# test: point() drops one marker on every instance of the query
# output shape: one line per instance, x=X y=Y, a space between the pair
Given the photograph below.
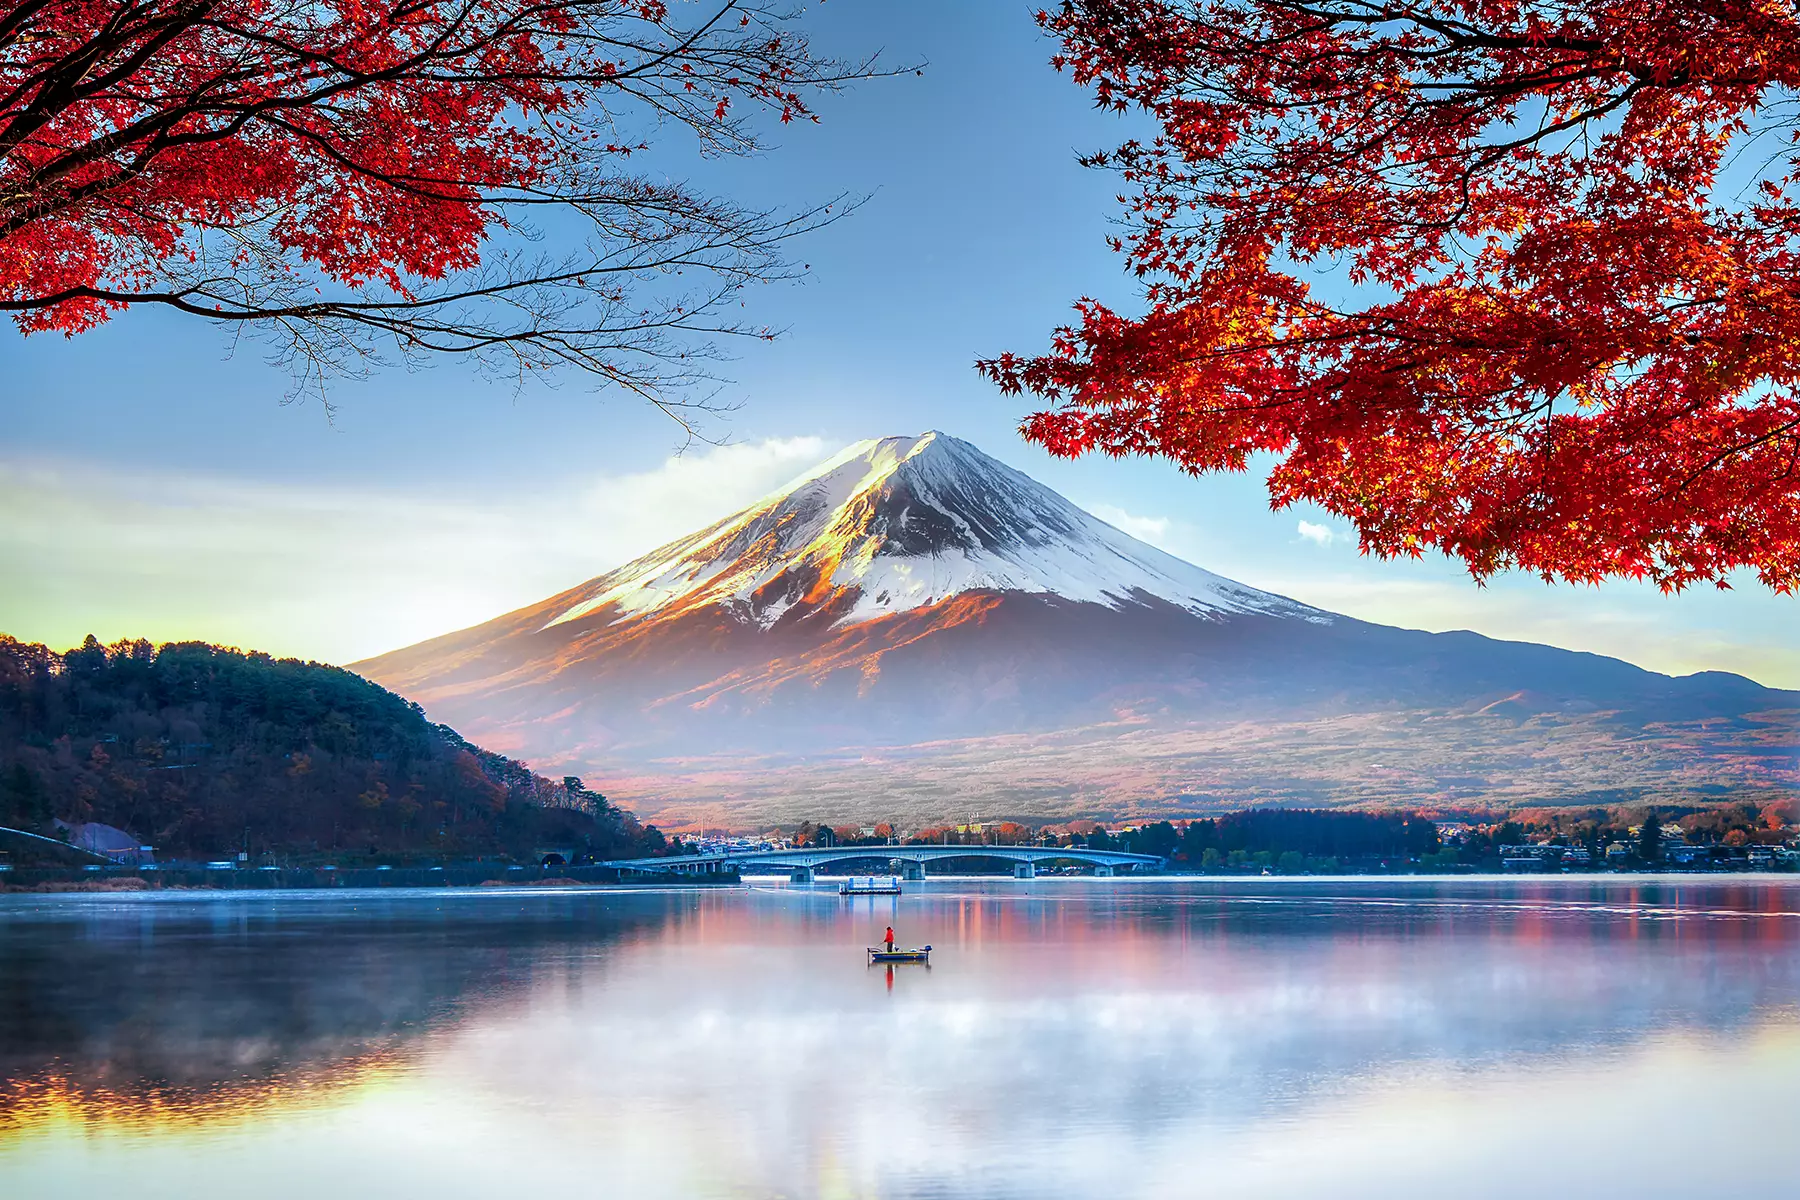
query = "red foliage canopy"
x=1554 y=316
x=360 y=174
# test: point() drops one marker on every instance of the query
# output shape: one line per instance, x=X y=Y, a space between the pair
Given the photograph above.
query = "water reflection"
x=1070 y=1038
x=176 y=1005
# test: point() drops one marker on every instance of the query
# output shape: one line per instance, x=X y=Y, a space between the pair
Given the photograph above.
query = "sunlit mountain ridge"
x=899 y=523
x=911 y=625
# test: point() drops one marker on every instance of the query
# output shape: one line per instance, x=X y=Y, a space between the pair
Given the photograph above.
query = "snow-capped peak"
x=898 y=523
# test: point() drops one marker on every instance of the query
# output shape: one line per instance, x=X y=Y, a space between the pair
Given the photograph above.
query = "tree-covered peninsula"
x=203 y=751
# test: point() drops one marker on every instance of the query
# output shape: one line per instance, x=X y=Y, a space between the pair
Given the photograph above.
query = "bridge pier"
x=912 y=870
x=1103 y=870
x=801 y=875
x=1025 y=870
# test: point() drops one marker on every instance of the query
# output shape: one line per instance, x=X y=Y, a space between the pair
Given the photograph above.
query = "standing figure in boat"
x=888 y=937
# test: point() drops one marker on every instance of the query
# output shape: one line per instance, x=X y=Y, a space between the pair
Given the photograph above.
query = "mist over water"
x=1071 y=1038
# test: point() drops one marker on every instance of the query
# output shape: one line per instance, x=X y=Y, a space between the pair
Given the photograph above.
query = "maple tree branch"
x=334 y=175
x=1555 y=347
x=1788 y=431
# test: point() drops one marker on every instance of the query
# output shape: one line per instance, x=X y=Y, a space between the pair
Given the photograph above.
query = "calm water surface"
x=1071 y=1038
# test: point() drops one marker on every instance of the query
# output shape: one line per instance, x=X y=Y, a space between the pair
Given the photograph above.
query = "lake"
x=1169 y=1037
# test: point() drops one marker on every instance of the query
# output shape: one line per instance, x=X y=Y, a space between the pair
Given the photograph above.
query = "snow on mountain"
x=914 y=629
x=899 y=523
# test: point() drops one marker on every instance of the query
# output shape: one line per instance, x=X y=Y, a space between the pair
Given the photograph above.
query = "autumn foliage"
x=362 y=178
x=201 y=749
x=1511 y=280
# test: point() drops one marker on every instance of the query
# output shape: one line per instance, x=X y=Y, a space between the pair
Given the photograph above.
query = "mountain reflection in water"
x=1071 y=1038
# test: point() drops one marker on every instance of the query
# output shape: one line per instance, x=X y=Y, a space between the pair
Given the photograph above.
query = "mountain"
x=917 y=626
x=203 y=751
x=900 y=524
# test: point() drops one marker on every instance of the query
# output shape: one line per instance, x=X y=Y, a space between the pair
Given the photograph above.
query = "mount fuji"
x=905 y=523
x=912 y=629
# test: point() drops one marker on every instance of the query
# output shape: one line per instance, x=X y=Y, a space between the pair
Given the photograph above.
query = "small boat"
x=870 y=885
x=921 y=954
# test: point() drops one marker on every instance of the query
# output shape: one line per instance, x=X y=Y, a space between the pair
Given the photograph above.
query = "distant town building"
x=1544 y=856
x=1530 y=857
x=1454 y=833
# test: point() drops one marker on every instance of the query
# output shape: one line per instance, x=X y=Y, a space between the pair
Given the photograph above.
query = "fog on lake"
x=1281 y=1038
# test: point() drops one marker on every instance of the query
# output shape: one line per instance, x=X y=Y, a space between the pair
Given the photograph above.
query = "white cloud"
x=335 y=573
x=1154 y=530
x=1320 y=535
x=690 y=490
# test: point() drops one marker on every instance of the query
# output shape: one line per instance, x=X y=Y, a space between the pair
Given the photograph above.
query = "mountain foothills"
x=913 y=629
x=200 y=751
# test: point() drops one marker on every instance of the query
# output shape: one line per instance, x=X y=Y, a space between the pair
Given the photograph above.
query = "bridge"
x=801 y=865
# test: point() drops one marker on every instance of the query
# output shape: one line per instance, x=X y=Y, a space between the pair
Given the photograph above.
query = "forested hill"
x=202 y=751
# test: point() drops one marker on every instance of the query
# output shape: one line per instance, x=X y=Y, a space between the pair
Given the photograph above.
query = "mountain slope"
x=913 y=592
x=202 y=750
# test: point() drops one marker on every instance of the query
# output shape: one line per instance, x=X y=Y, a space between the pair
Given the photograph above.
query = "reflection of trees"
x=182 y=1006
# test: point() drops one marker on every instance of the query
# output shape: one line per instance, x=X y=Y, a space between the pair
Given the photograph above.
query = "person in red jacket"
x=888 y=937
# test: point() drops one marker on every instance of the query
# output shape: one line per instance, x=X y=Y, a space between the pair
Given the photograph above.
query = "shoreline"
x=27 y=882
x=135 y=880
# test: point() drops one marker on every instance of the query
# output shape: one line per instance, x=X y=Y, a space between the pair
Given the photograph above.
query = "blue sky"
x=154 y=483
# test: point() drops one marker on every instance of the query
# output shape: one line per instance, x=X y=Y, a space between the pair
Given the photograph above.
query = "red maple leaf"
x=1563 y=331
x=359 y=174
